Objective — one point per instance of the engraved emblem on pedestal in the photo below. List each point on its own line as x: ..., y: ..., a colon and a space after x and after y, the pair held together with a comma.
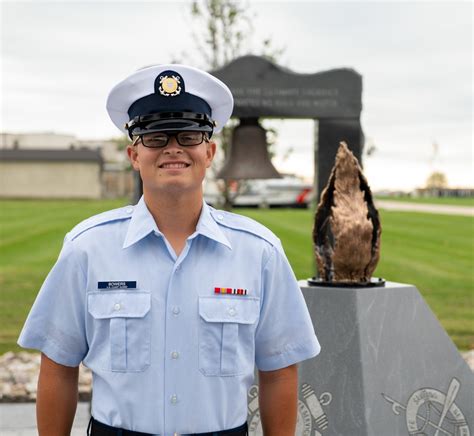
x: 311, y: 415
x: 432, y: 412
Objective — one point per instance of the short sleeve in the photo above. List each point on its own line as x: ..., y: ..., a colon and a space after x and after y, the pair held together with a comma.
x: 285, y: 334
x: 56, y: 322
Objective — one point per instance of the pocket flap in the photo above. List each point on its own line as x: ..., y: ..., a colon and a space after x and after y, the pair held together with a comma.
x: 243, y: 310
x: 109, y: 304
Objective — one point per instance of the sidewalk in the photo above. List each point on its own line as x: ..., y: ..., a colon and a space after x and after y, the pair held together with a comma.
x: 19, y: 419
x: 428, y: 208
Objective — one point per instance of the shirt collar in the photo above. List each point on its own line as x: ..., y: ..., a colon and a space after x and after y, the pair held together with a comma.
x: 142, y: 224
x: 208, y: 227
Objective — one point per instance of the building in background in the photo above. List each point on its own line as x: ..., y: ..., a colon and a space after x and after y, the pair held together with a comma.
x: 30, y: 173
x: 50, y: 165
x: 444, y: 192
x: 36, y: 141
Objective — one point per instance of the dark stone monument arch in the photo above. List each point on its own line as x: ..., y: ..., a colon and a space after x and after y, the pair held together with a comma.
x: 265, y: 90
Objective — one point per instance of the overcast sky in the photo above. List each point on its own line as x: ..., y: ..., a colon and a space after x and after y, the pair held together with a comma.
x: 60, y: 59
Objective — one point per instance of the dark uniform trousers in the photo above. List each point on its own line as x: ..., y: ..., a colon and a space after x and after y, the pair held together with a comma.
x: 96, y: 428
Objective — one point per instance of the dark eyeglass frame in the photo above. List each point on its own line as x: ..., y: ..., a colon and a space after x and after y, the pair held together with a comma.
x: 204, y: 138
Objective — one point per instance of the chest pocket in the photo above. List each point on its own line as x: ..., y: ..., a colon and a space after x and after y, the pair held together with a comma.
x: 121, y: 333
x: 227, y: 335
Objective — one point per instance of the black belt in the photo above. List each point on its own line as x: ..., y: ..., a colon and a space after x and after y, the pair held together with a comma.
x: 96, y: 428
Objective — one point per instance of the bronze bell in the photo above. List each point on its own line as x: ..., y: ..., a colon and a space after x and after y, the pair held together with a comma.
x: 248, y: 157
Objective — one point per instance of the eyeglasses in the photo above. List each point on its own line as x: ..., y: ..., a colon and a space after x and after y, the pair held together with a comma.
x: 161, y: 139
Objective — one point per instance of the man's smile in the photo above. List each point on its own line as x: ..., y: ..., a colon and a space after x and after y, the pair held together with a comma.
x: 175, y: 165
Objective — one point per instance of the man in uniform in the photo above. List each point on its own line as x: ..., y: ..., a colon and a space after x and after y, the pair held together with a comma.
x: 170, y: 302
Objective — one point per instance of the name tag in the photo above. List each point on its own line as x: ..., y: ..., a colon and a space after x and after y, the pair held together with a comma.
x: 117, y: 285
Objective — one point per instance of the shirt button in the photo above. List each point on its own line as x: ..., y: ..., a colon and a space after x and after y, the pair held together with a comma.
x: 129, y: 210
x: 176, y: 310
x: 174, y: 399
x: 220, y: 217
x: 232, y: 311
x: 117, y: 306
x: 178, y: 267
x: 174, y: 355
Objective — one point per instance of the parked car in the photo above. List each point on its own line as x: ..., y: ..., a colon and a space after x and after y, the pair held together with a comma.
x: 290, y: 191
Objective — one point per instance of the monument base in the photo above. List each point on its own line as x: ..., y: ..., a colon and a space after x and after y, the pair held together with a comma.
x: 386, y: 367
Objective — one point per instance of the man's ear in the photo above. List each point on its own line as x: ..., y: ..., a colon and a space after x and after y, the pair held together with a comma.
x: 133, y: 156
x: 211, y: 152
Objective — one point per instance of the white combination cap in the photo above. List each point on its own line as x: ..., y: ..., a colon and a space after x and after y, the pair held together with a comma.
x: 170, y: 97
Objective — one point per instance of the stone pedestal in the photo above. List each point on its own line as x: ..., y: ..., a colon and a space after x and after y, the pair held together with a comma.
x: 386, y: 368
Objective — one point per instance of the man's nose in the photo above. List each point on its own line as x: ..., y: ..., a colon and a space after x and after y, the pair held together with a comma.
x: 172, y: 146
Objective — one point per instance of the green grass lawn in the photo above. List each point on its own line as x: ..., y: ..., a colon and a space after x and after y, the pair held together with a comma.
x: 434, y: 252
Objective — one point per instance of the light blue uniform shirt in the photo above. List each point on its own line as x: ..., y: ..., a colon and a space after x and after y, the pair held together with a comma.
x: 168, y: 353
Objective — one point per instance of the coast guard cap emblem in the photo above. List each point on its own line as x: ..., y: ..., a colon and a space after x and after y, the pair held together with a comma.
x: 170, y: 86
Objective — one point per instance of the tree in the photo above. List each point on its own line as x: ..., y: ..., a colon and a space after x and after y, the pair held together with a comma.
x: 436, y: 180
x: 225, y: 32
x: 225, y: 29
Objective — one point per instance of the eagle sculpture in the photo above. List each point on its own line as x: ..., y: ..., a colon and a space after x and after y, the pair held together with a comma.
x: 347, y: 227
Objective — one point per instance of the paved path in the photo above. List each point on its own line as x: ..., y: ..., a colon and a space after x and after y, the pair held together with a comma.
x: 422, y: 207
x: 19, y: 419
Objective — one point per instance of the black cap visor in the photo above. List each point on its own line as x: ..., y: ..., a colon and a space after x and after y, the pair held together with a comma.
x: 175, y: 121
